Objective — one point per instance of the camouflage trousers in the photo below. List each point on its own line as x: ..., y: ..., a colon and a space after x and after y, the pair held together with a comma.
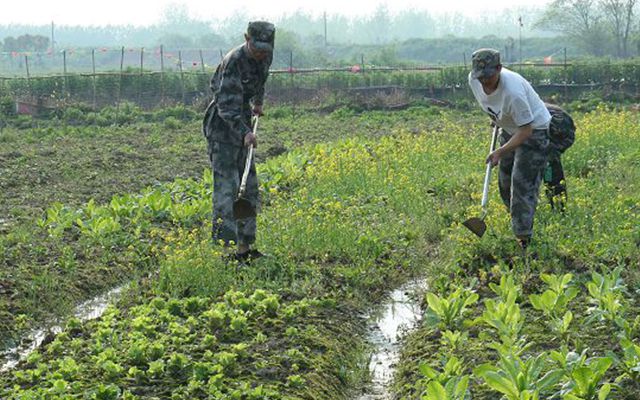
x: 554, y: 182
x: 227, y: 162
x: 519, y: 178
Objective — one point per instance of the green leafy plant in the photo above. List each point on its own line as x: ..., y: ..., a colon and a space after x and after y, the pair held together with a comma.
x: 630, y: 360
x: 449, y: 383
x: 629, y: 329
x: 519, y: 379
x: 106, y: 392
x: 584, y: 382
x: 605, y: 292
x: 177, y: 364
x: 447, y: 312
x: 295, y: 381
x: 454, y: 341
x: 507, y: 287
x: 554, y: 301
x: 505, y: 317
x: 567, y: 360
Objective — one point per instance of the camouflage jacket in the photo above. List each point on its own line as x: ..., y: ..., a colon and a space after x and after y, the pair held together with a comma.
x: 237, y: 84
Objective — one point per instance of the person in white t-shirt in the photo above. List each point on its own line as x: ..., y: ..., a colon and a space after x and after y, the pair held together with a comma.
x: 516, y: 108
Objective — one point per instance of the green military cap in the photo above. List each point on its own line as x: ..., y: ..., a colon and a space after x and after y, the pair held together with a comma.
x: 485, y: 62
x: 262, y: 34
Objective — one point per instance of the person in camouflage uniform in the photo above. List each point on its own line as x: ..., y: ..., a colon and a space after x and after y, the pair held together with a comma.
x: 516, y: 108
x: 238, y: 93
x: 562, y: 134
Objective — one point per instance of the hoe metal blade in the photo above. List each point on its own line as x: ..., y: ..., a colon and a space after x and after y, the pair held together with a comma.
x: 242, y: 208
x: 476, y: 225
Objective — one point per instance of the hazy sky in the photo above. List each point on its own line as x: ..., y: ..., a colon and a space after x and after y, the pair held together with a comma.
x: 117, y: 12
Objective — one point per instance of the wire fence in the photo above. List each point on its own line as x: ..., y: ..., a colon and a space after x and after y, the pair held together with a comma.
x: 103, y: 59
x: 98, y: 78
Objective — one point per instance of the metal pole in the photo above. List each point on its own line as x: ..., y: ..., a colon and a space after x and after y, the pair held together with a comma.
x: 362, y: 64
x: 161, y: 58
x: 566, y: 77
x: 181, y: 75
x: 325, y: 29
x: 26, y: 64
x: 162, y: 86
x: 120, y: 85
x: 464, y: 57
x: 140, y: 85
x: 64, y: 74
x: 201, y: 62
x: 53, y: 39
x: 93, y: 69
x: 292, y: 90
x: 520, y: 23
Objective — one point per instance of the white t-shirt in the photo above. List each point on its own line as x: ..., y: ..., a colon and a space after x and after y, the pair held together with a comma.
x: 513, y: 104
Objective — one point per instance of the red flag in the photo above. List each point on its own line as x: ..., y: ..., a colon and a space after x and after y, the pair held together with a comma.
x: 548, y: 60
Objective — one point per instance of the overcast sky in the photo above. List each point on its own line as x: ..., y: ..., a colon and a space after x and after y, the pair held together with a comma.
x: 132, y: 12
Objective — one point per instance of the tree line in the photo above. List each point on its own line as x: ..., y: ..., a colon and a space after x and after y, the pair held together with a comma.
x: 588, y: 27
x: 600, y: 27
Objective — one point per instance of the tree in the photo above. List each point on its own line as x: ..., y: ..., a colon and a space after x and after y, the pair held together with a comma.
x: 26, y: 43
x: 175, y: 15
x: 619, y: 15
x: 377, y: 27
x: 176, y: 20
x: 212, y: 40
x: 410, y: 24
x: 580, y: 20
x: 176, y: 41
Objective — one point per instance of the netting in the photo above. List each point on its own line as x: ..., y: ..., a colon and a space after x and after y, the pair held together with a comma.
x: 155, y: 77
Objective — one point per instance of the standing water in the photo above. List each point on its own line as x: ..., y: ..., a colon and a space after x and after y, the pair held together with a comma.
x: 90, y: 309
x: 398, y: 316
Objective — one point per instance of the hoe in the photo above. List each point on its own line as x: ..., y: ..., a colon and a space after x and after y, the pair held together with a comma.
x: 477, y: 225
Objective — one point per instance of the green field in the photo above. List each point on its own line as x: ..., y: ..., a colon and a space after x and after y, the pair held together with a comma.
x: 354, y: 205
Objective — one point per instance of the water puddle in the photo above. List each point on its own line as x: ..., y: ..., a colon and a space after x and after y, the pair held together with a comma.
x: 398, y: 316
x: 90, y: 309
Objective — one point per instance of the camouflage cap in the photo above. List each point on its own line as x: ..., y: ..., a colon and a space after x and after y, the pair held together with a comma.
x: 262, y: 35
x: 485, y: 62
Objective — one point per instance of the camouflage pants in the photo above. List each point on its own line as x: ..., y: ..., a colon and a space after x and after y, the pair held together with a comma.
x: 554, y: 182
x: 519, y: 179
x: 227, y: 162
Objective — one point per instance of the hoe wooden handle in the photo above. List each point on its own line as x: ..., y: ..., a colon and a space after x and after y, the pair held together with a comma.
x: 247, y: 164
x: 487, y: 174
